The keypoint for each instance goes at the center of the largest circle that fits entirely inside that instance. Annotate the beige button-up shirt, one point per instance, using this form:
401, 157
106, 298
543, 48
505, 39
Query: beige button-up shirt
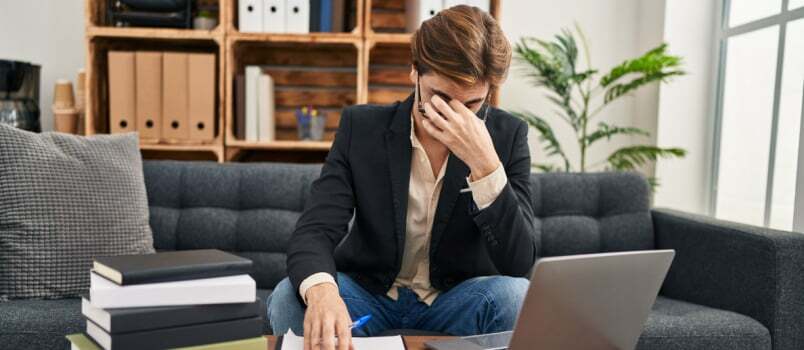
423, 193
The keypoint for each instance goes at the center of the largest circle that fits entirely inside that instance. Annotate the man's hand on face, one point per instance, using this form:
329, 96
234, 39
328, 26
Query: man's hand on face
463, 133
326, 317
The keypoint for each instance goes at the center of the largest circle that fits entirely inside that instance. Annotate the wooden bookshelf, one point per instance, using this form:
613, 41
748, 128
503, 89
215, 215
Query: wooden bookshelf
368, 64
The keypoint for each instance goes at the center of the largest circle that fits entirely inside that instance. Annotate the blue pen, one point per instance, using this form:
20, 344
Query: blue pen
361, 321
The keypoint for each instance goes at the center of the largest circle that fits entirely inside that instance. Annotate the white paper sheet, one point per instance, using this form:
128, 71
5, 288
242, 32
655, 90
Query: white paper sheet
291, 341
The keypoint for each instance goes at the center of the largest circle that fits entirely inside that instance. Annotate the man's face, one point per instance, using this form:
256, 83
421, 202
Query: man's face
432, 84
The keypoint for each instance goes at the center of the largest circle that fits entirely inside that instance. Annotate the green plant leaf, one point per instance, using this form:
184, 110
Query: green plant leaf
546, 168
654, 65
607, 131
546, 135
629, 158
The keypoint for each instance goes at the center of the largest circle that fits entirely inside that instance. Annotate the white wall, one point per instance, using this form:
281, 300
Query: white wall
617, 30
45, 32
686, 111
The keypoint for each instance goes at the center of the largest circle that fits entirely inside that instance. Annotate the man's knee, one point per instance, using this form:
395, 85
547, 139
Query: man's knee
284, 309
504, 296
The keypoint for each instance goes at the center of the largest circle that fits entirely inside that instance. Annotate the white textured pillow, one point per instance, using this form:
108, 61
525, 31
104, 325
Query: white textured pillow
65, 199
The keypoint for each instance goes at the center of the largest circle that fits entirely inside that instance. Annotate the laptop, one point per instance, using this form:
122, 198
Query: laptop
592, 301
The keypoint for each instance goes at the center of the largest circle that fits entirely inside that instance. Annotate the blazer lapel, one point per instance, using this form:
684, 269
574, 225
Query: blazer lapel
454, 180
398, 147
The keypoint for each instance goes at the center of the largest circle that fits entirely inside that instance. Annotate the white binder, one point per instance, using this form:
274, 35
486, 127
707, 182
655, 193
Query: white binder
249, 15
297, 16
418, 11
274, 16
252, 100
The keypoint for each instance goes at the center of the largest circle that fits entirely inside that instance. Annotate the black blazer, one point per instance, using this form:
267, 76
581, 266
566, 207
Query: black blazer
367, 172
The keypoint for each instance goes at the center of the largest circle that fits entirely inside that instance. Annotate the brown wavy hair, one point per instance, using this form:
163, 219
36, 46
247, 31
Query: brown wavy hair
462, 43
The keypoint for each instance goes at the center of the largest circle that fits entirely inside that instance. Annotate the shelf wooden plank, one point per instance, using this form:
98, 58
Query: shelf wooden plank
389, 38
189, 147
288, 145
312, 38
151, 33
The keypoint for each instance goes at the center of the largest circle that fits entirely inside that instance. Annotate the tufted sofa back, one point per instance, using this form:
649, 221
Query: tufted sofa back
592, 212
249, 209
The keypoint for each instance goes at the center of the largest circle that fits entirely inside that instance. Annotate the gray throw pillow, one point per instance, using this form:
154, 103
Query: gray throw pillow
65, 199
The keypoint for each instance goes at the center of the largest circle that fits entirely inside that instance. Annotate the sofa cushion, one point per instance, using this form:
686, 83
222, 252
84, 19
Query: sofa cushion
591, 212
39, 324
65, 199
249, 209
676, 325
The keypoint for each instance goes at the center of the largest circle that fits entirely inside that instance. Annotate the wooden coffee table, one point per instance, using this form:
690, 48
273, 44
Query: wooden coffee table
411, 342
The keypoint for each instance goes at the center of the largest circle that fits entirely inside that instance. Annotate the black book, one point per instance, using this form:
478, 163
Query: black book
170, 266
135, 319
165, 338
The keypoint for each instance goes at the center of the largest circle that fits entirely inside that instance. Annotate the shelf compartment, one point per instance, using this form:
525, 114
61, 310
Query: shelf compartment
324, 76
95, 13
97, 113
353, 23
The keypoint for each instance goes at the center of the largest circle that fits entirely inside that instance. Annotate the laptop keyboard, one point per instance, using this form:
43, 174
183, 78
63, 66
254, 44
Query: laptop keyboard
491, 341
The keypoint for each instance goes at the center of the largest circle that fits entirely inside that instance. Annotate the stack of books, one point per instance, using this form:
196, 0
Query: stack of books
197, 299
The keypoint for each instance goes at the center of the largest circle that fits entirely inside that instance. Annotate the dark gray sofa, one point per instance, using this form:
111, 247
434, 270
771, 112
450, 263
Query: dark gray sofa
731, 286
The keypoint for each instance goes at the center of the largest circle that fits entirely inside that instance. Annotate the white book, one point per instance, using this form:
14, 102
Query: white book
249, 19
297, 16
265, 109
274, 16
418, 11
252, 97
106, 294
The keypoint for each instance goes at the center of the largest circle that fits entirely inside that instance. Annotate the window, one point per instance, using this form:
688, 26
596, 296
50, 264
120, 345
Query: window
759, 112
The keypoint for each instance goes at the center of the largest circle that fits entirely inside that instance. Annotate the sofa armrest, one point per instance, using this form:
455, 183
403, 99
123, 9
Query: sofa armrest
751, 270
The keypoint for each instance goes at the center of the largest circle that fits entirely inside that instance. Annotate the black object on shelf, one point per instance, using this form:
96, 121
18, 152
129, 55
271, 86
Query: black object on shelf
19, 95
150, 13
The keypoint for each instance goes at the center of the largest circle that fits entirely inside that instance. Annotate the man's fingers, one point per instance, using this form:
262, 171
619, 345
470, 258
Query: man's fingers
433, 131
344, 332
328, 333
461, 109
438, 122
314, 337
308, 329
446, 111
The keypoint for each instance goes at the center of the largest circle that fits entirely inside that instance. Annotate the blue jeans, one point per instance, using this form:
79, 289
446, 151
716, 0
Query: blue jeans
476, 306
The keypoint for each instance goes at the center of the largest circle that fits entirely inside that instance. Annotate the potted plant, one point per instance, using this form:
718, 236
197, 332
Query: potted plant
581, 95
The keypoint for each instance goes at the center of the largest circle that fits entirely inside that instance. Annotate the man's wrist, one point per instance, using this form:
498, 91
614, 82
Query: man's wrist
319, 291
314, 280
481, 170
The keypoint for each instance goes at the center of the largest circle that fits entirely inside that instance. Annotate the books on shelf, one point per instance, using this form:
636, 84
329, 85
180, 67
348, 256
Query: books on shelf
293, 16
259, 106
200, 298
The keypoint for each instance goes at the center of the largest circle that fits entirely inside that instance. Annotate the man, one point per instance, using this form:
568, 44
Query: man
442, 233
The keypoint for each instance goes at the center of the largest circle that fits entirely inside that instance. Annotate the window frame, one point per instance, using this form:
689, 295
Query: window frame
722, 35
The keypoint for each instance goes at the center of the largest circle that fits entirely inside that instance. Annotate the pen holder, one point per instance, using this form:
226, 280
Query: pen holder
317, 125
